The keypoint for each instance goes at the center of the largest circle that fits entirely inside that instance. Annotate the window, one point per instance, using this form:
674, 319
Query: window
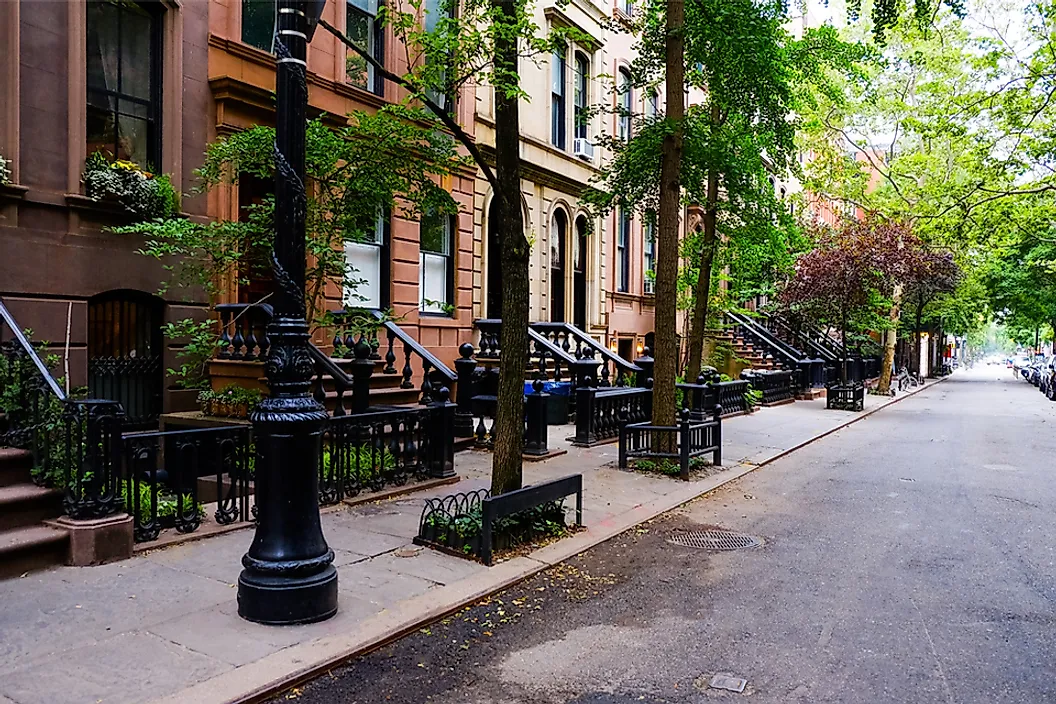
436, 275
367, 260
581, 97
623, 250
557, 99
626, 7
258, 23
626, 99
652, 103
558, 232
436, 10
363, 28
124, 82
649, 253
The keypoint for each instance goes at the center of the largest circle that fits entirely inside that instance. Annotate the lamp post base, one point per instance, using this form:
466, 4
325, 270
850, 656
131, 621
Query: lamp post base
286, 600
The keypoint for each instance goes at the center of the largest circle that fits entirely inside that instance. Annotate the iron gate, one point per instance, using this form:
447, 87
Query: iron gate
124, 354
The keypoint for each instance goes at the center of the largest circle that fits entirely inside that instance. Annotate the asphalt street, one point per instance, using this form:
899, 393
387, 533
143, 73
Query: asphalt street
906, 558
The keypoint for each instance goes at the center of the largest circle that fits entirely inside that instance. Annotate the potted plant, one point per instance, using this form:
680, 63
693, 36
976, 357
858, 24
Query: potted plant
146, 195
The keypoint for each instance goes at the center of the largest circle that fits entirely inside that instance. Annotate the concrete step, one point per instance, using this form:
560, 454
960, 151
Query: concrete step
15, 466
31, 547
26, 504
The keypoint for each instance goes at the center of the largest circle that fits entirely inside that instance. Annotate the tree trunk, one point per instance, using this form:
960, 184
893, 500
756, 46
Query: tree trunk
843, 340
699, 322
508, 431
916, 335
890, 338
666, 352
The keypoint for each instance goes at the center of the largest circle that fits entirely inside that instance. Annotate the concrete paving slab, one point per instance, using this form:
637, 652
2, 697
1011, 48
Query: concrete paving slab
430, 565
352, 536
48, 613
132, 668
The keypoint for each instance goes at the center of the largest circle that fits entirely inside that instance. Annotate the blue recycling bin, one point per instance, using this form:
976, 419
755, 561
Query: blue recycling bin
557, 404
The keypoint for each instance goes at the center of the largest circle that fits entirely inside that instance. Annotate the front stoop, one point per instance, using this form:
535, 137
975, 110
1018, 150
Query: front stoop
25, 542
96, 541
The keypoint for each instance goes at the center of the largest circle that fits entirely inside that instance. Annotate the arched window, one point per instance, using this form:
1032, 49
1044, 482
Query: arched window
558, 238
626, 102
579, 275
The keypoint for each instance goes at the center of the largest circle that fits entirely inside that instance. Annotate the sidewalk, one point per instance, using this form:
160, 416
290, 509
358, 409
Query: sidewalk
153, 627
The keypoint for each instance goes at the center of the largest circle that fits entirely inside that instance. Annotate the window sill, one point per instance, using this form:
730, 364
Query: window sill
625, 297
12, 191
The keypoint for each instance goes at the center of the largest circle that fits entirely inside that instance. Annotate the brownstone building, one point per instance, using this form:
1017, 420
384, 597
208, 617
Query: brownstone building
77, 77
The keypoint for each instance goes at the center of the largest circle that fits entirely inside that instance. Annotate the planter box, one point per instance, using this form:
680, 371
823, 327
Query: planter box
849, 397
464, 524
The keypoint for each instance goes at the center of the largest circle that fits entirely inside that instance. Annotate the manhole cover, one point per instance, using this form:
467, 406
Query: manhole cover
715, 540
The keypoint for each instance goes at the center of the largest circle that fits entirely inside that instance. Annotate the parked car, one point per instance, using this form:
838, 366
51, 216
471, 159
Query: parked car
1045, 374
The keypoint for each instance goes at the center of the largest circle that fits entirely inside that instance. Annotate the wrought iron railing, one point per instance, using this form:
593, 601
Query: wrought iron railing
733, 397
35, 402
369, 451
808, 370
161, 480
576, 342
682, 442
598, 412
775, 386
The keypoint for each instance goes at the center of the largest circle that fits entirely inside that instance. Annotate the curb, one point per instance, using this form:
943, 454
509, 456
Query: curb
299, 663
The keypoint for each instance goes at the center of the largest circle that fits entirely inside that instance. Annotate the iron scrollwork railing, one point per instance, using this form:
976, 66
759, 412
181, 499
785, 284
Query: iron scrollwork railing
163, 472
434, 373
577, 343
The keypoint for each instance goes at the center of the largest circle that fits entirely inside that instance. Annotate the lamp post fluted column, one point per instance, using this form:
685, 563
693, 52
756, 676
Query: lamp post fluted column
288, 575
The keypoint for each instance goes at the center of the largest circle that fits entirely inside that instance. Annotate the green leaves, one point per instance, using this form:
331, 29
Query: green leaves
380, 165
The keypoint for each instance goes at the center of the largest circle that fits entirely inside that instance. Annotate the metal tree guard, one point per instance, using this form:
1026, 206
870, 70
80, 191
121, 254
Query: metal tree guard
289, 577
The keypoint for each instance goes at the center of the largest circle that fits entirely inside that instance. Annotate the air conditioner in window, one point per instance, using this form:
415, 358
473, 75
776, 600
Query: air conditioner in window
583, 149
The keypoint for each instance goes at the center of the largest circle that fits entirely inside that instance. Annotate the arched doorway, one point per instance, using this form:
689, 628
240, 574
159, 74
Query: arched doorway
125, 353
579, 274
558, 237
494, 302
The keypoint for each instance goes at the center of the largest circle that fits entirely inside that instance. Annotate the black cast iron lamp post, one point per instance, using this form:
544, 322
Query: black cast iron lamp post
289, 576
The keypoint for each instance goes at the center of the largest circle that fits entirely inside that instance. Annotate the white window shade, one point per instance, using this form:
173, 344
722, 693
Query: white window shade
432, 282
364, 261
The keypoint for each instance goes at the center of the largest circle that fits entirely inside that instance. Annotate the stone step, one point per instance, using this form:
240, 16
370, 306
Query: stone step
26, 504
15, 466
31, 547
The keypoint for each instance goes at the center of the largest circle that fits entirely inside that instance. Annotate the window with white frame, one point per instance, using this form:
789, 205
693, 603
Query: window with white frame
652, 103
626, 102
363, 28
623, 250
649, 253
367, 261
557, 98
436, 272
581, 95
626, 7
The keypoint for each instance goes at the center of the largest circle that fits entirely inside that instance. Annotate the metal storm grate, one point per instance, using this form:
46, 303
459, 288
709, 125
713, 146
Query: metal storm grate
715, 540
